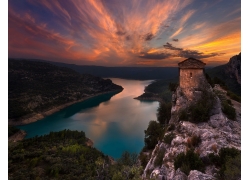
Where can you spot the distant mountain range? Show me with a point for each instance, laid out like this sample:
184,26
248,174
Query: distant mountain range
139,73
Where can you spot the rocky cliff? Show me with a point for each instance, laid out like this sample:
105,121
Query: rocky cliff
205,139
229,73
233,67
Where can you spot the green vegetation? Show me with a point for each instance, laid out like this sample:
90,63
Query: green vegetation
159,158
233,96
126,168
189,161
34,87
65,155
160,89
228,110
171,127
12,130
164,113
153,133
229,162
168,138
199,111
193,141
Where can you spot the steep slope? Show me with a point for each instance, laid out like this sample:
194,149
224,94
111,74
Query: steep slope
37,87
230,73
198,150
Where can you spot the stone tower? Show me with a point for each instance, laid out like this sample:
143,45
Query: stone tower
191,76
191,73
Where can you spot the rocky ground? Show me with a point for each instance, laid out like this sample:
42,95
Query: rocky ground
219,132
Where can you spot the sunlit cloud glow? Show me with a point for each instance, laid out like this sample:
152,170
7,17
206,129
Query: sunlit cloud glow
124,33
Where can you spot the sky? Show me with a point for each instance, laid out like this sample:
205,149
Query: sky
125,33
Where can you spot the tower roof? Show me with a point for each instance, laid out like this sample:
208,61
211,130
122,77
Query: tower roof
191,63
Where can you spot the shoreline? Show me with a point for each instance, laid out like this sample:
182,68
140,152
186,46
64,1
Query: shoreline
39,116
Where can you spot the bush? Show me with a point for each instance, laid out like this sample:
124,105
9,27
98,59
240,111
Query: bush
229,162
228,110
233,96
199,111
164,113
171,127
153,133
159,158
232,168
143,160
189,161
193,141
168,138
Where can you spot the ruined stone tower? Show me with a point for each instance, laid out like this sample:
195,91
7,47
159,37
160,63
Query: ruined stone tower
191,72
191,76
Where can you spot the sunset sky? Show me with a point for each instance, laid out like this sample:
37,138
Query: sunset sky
124,32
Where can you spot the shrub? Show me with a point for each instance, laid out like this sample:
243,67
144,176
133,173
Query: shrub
159,158
214,148
171,127
143,160
153,133
168,138
229,162
228,110
199,111
164,113
229,102
172,86
189,161
233,168
193,141
233,96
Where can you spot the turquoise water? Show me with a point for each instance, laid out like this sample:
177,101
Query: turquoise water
115,122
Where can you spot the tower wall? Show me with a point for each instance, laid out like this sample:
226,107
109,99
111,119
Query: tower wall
191,78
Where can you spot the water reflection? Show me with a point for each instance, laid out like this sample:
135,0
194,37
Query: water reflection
115,122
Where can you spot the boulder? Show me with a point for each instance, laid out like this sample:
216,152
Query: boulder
197,175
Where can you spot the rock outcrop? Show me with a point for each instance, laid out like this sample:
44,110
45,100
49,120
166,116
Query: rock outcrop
218,132
233,67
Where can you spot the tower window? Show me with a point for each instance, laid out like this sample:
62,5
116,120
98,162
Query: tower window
191,75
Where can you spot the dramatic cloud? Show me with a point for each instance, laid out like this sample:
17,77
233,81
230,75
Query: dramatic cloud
157,56
124,33
180,52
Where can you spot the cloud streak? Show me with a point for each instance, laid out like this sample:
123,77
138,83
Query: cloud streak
121,33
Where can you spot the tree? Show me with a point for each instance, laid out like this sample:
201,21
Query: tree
153,133
164,113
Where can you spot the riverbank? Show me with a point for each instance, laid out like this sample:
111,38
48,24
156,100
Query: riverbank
35,117
20,135
147,96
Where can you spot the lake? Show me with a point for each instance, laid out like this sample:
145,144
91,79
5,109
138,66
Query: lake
114,122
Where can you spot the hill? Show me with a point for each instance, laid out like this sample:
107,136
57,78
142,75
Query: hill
230,73
37,87
138,73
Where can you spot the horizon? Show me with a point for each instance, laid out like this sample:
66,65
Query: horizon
125,33
68,63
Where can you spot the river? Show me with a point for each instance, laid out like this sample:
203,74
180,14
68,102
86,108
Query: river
114,122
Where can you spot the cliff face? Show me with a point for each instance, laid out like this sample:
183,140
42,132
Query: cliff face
233,67
216,133
230,73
